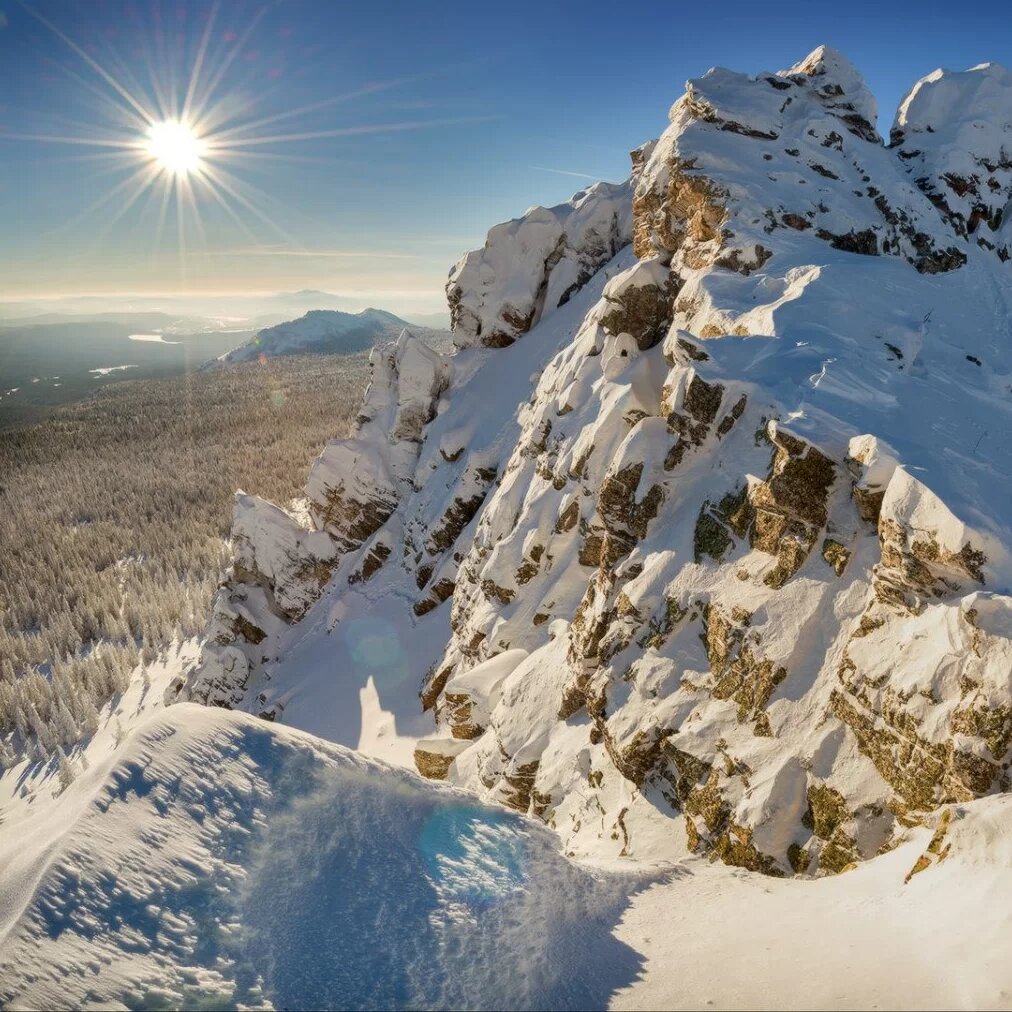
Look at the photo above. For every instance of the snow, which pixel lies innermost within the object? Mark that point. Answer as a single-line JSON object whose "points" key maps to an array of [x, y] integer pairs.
{"points": [[214, 859], [862, 940], [830, 64], [542, 537], [219, 860], [953, 131]]}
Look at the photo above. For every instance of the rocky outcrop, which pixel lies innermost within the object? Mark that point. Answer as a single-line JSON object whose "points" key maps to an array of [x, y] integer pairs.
{"points": [[355, 484], [953, 135], [272, 550], [810, 126], [715, 559], [280, 568], [641, 303], [789, 507], [705, 531], [532, 265]]}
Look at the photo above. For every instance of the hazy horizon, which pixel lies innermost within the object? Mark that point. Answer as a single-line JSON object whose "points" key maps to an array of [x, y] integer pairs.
{"points": [[222, 305]]}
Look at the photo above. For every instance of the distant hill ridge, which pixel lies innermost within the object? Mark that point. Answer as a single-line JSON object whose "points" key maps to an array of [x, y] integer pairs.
{"points": [[328, 331]]}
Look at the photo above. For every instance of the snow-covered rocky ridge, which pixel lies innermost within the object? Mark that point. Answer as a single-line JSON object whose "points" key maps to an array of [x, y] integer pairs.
{"points": [[326, 331], [700, 541]]}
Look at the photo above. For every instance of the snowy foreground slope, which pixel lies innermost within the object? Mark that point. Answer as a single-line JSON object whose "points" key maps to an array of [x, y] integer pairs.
{"points": [[219, 861], [216, 860], [699, 544]]}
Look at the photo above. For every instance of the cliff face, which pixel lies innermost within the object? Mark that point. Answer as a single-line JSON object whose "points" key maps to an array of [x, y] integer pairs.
{"points": [[700, 541]]}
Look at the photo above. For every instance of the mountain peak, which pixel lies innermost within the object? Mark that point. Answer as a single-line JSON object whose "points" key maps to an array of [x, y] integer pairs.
{"points": [[840, 84]]}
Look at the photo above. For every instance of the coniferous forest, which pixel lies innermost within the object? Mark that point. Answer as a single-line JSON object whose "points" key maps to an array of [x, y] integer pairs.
{"points": [[113, 519]]}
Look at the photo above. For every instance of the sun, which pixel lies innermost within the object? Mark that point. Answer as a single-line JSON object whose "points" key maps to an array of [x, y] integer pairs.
{"points": [[175, 147], [183, 140]]}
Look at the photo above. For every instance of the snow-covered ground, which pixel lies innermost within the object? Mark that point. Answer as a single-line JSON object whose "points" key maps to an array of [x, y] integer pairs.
{"points": [[214, 860], [863, 940], [217, 860]]}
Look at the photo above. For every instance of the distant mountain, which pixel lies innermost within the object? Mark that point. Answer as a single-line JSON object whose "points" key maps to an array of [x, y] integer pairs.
{"points": [[327, 332]]}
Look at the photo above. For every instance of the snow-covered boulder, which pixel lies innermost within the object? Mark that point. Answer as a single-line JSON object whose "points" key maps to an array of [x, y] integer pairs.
{"points": [[532, 265]]}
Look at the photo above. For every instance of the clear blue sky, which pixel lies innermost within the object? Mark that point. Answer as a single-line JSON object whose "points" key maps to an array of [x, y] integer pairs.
{"points": [[493, 104]]}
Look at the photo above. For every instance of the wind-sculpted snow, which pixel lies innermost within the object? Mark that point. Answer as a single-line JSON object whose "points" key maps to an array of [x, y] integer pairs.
{"points": [[221, 863], [715, 559]]}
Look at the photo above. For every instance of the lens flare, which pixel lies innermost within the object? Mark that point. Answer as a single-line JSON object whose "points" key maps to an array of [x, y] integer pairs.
{"points": [[475, 857]]}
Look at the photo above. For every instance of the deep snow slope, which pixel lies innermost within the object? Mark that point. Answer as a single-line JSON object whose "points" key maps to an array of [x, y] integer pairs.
{"points": [[877, 937], [218, 861], [700, 542]]}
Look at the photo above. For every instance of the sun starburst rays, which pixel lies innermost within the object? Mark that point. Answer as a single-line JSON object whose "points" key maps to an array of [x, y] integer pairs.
{"points": [[183, 140]]}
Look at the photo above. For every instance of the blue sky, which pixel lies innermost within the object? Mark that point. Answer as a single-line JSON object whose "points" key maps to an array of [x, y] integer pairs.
{"points": [[461, 115]]}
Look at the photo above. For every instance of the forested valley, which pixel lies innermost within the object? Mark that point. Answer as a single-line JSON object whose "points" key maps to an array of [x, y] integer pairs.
{"points": [[114, 518]]}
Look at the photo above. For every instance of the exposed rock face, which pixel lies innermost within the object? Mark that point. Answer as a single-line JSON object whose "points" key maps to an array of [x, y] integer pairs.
{"points": [[641, 302], [273, 551], [789, 507], [715, 559]]}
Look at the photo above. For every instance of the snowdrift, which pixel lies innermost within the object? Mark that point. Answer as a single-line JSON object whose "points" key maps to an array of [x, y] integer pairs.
{"points": [[220, 861]]}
